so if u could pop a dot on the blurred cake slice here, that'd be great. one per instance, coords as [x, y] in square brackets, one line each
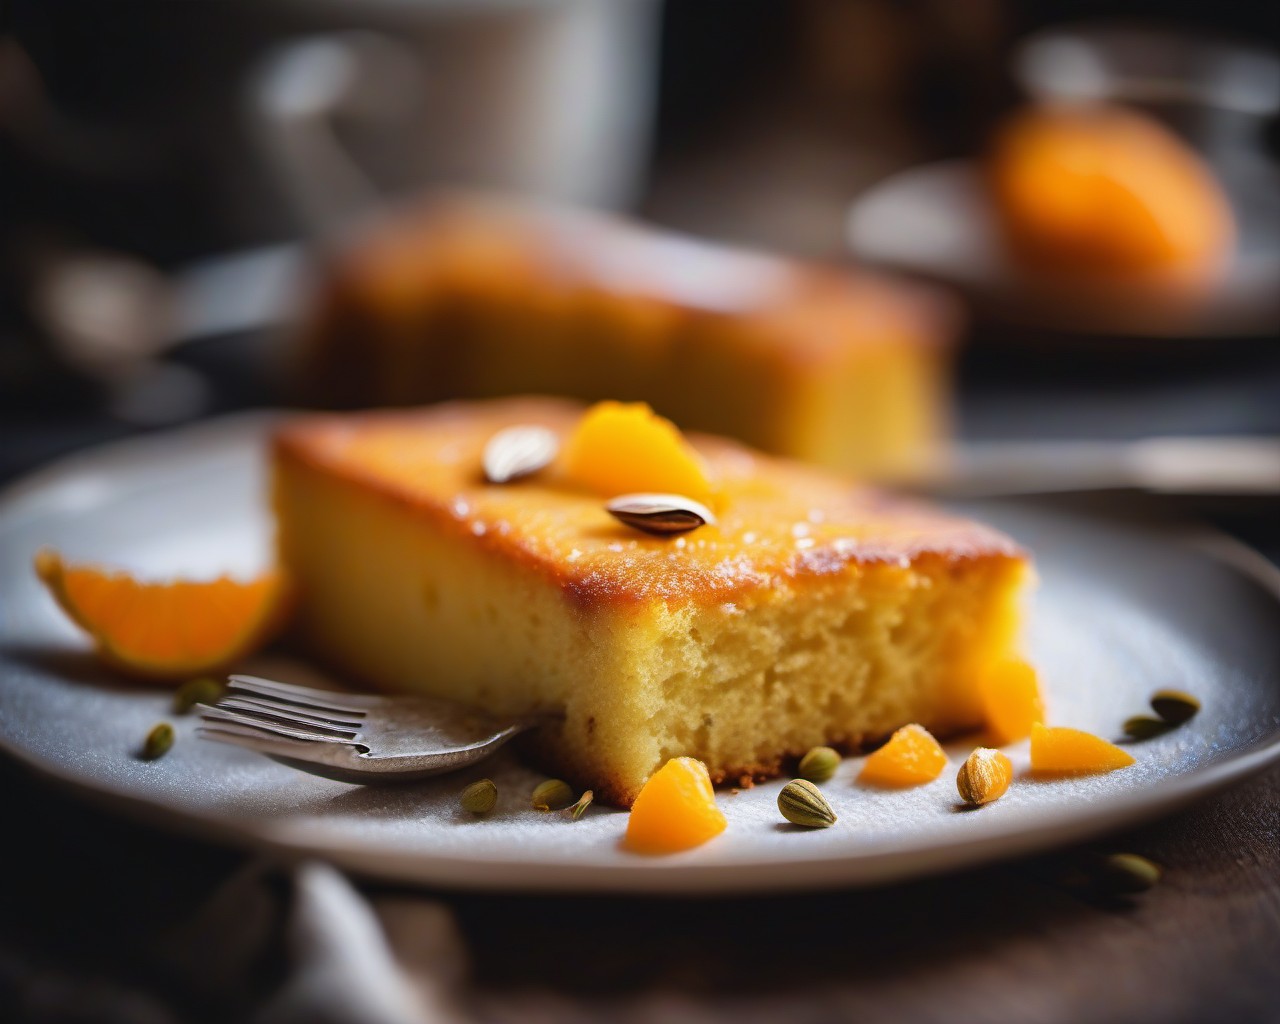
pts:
[812, 612]
[464, 297]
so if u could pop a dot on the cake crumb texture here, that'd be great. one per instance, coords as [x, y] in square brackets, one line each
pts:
[816, 612]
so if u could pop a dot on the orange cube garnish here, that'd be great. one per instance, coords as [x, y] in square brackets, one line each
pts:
[911, 757]
[626, 448]
[676, 810]
[1011, 701]
[1062, 751]
[166, 631]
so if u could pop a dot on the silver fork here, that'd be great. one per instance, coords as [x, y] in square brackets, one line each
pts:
[355, 737]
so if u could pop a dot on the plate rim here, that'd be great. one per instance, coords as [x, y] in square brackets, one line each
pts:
[679, 875]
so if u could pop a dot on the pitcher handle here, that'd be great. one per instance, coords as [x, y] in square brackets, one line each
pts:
[296, 98]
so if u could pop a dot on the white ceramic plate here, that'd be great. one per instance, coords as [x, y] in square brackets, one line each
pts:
[1121, 611]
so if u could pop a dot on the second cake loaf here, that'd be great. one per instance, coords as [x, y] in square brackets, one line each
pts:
[461, 297]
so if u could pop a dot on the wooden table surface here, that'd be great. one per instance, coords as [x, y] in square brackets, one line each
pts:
[87, 894]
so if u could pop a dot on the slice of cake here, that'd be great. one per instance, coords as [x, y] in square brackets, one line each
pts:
[808, 611]
[462, 297]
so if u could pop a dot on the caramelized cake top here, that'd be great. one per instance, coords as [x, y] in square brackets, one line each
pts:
[778, 520]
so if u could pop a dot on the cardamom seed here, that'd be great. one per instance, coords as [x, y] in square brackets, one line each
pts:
[1127, 873]
[518, 452]
[802, 803]
[1174, 706]
[479, 797]
[580, 808]
[552, 795]
[818, 765]
[1144, 727]
[660, 513]
[158, 741]
[984, 776]
[204, 690]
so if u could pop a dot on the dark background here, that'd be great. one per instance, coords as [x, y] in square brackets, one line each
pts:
[770, 118]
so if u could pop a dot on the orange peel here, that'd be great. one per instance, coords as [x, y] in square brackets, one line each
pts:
[167, 631]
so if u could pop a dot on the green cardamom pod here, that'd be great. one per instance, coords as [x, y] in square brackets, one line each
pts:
[1174, 706]
[802, 803]
[479, 797]
[158, 741]
[580, 808]
[1128, 873]
[819, 764]
[205, 690]
[552, 795]
[1144, 727]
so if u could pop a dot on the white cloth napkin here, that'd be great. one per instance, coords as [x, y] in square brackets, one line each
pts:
[273, 945]
[340, 964]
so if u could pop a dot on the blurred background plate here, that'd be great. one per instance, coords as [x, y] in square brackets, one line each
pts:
[936, 222]
[1124, 608]
[1216, 93]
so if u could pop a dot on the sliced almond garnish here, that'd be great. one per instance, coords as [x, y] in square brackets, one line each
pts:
[660, 513]
[518, 452]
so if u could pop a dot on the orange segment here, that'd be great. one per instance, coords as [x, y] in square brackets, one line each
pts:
[1011, 701]
[676, 809]
[626, 448]
[911, 757]
[166, 631]
[1061, 751]
[1098, 190]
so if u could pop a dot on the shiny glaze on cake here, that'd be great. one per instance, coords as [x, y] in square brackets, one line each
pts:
[779, 521]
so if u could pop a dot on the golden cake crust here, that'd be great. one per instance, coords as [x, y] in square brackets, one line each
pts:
[780, 521]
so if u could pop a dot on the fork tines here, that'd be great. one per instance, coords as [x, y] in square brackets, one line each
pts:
[256, 707]
[303, 696]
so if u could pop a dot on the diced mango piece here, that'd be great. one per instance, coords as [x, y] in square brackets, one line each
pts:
[676, 809]
[911, 757]
[626, 448]
[1062, 751]
[1011, 701]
